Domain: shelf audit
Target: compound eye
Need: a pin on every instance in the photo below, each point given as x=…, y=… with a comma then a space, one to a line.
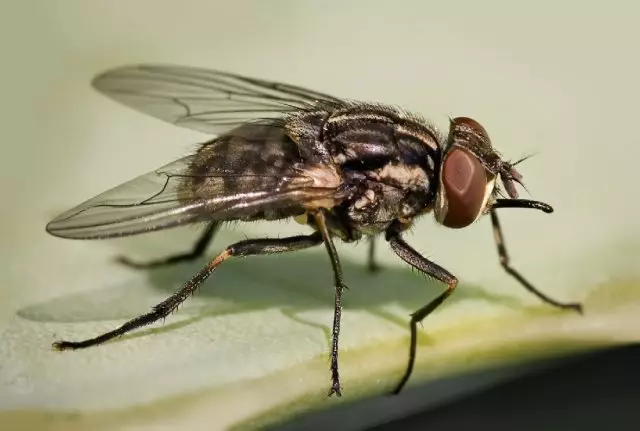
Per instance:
x=465, y=185
x=473, y=125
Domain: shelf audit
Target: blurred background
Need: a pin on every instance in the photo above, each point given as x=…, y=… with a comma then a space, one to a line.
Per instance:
x=555, y=79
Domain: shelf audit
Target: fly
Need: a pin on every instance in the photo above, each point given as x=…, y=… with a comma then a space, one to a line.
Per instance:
x=347, y=169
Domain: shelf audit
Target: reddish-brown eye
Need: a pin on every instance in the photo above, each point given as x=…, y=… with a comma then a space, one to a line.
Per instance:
x=472, y=124
x=465, y=183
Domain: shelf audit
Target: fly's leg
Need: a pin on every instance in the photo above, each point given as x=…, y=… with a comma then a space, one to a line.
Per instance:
x=372, y=265
x=337, y=311
x=162, y=310
x=504, y=261
x=198, y=250
x=424, y=265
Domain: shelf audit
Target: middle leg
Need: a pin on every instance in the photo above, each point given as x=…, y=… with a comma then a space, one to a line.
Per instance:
x=320, y=219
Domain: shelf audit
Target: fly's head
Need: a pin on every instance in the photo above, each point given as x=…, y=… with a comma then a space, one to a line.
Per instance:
x=468, y=174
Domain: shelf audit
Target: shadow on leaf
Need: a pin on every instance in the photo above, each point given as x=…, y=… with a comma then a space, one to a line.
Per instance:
x=292, y=282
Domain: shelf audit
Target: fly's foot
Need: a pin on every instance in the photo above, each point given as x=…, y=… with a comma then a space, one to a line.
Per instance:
x=575, y=306
x=335, y=389
x=63, y=345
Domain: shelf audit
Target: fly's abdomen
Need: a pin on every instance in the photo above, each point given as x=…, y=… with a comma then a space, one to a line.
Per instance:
x=250, y=174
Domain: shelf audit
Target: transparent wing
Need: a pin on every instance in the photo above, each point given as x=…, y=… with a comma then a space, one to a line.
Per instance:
x=205, y=100
x=173, y=195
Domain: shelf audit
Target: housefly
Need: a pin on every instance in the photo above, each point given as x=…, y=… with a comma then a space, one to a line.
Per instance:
x=347, y=169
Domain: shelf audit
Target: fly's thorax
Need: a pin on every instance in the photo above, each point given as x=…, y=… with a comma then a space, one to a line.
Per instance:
x=372, y=209
x=305, y=129
x=403, y=176
x=324, y=176
x=395, y=191
x=362, y=136
x=335, y=222
x=392, y=158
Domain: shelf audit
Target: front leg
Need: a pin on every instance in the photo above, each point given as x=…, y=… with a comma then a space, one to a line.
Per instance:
x=504, y=255
x=424, y=265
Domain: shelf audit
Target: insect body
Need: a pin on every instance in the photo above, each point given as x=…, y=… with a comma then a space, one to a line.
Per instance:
x=347, y=169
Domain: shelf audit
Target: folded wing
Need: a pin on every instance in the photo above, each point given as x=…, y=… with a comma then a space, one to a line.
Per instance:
x=205, y=100
x=169, y=197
